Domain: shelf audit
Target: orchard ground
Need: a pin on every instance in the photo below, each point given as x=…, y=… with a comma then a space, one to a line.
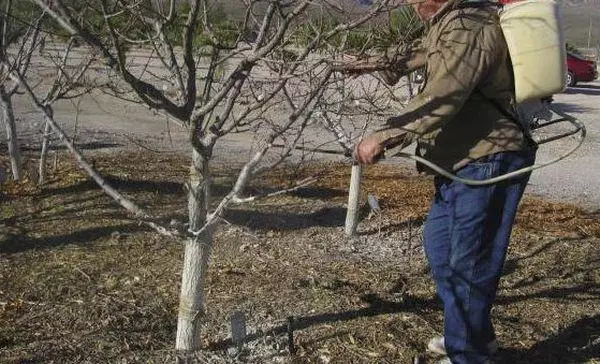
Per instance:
x=81, y=282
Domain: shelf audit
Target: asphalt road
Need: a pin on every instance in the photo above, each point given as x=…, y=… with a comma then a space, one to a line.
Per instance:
x=577, y=178
x=104, y=123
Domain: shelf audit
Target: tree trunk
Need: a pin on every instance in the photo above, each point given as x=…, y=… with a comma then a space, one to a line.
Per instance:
x=44, y=153
x=353, y=199
x=195, y=262
x=11, y=134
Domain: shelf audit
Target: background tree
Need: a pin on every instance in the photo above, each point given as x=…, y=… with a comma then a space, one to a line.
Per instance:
x=17, y=42
x=387, y=49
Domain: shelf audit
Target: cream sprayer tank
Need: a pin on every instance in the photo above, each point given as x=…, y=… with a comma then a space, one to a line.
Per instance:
x=536, y=43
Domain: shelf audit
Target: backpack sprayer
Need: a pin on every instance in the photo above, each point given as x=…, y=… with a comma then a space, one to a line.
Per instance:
x=533, y=31
x=536, y=43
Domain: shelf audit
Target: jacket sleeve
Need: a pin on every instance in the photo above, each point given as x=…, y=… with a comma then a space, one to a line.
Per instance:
x=456, y=64
x=402, y=60
x=392, y=65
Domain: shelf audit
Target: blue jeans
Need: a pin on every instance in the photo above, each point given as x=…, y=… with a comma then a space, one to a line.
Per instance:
x=466, y=239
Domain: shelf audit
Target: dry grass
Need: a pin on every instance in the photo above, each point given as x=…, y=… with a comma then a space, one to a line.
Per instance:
x=82, y=283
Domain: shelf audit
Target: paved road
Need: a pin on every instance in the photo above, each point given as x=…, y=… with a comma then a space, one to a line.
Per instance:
x=576, y=179
x=104, y=121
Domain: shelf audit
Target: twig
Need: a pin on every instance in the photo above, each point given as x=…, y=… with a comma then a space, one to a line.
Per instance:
x=301, y=184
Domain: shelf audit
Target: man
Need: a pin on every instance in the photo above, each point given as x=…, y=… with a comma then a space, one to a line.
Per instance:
x=462, y=121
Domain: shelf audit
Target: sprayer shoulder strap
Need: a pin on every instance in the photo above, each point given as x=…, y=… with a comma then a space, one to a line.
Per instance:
x=477, y=4
x=514, y=116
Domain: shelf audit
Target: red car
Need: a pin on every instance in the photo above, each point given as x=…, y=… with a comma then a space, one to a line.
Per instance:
x=580, y=70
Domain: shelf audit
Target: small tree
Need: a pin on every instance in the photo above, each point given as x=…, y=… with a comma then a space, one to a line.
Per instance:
x=214, y=82
x=17, y=43
x=390, y=50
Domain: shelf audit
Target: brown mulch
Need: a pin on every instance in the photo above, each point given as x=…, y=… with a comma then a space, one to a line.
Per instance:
x=80, y=282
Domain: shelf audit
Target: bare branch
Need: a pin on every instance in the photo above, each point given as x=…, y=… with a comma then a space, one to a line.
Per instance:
x=299, y=185
x=114, y=194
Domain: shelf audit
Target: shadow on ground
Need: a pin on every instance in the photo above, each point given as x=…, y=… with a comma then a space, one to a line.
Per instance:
x=161, y=187
x=578, y=343
x=53, y=147
x=219, y=190
x=376, y=307
x=571, y=108
x=21, y=242
x=80, y=146
x=583, y=90
x=324, y=217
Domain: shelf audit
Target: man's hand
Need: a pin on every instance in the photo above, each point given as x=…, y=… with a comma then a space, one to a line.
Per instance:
x=369, y=150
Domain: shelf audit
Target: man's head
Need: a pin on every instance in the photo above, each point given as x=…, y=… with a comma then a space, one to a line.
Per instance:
x=428, y=8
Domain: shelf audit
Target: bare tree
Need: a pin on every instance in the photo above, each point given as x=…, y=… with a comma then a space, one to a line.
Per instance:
x=14, y=56
x=396, y=54
x=207, y=73
x=67, y=84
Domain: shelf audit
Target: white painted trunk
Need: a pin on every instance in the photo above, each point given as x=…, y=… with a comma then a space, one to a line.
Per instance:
x=14, y=151
x=195, y=261
x=191, y=300
x=353, y=200
x=44, y=153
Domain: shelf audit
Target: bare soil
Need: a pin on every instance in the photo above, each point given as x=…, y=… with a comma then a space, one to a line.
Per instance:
x=81, y=282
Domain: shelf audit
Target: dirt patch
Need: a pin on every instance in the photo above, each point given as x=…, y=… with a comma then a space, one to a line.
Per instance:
x=80, y=282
